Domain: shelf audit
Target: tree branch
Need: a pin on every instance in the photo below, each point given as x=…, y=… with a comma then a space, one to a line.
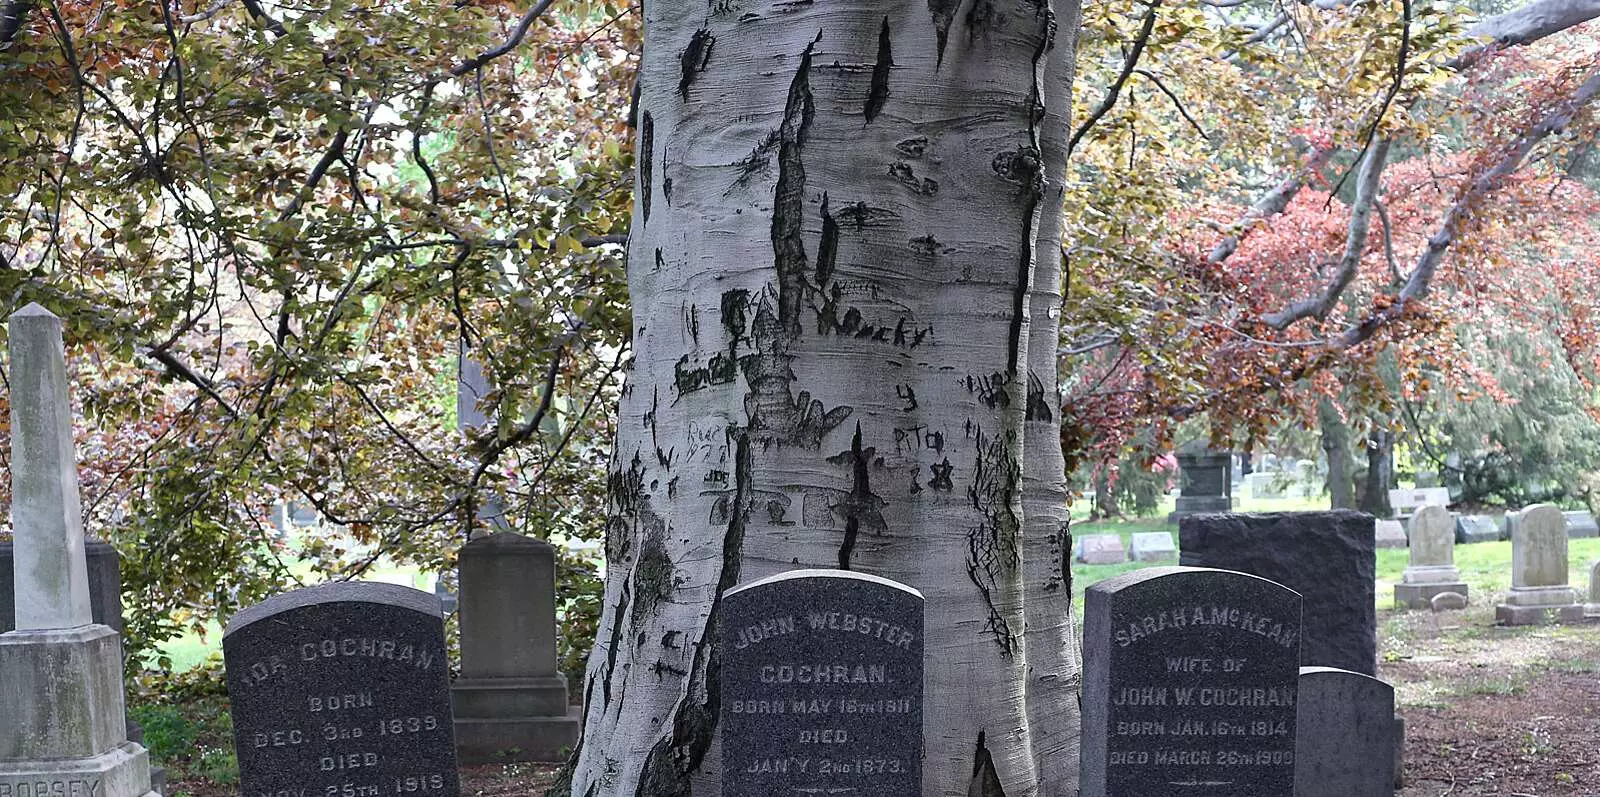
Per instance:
x=260, y=15
x=1271, y=204
x=1128, y=65
x=1367, y=184
x=510, y=44
x=1460, y=213
x=1527, y=24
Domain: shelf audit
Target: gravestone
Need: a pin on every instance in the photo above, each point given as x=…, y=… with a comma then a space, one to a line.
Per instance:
x=511, y=699
x=1203, y=481
x=1346, y=722
x=1325, y=556
x=1264, y=485
x=105, y=585
x=1152, y=546
x=1448, y=602
x=1580, y=525
x=1432, y=569
x=1101, y=549
x=1591, y=610
x=342, y=689
x=1389, y=534
x=1405, y=501
x=63, y=724
x=1539, y=591
x=1477, y=528
x=1189, y=679
x=822, y=686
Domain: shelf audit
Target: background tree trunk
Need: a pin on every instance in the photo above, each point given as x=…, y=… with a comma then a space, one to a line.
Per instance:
x=1380, y=470
x=845, y=276
x=1336, y=445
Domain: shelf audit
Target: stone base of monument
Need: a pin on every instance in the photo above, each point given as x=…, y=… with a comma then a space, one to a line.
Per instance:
x=1540, y=606
x=521, y=719
x=1198, y=505
x=1420, y=596
x=123, y=771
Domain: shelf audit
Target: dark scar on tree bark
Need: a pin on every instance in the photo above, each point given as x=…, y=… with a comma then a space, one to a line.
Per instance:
x=673, y=758
x=861, y=506
x=992, y=550
x=757, y=161
x=985, y=780
x=1038, y=407
x=788, y=207
x=828, y=247
x=647, y=146
x=979, y=18
x=944, y=13
x=694, y=59
x=902, y=171
x=878, y=94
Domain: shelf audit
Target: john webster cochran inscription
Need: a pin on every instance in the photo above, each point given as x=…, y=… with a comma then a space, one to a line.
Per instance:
x=822, y=686
x=1189, y=685
x=342, y=690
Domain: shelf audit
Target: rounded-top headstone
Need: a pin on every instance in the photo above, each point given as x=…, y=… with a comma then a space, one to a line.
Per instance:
x=342, y=689
x=821, y=686
x=1539, y=547
x=1432, y=536
x=1346, y=727
x=1190, y=676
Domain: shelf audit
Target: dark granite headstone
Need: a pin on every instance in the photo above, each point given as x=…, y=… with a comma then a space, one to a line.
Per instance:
x=1204, y=483
x=1327, y=557
x=1189, y=679
x=821, y=686
x=342, y=689
x=1581, y=524
x=1347, y=725
x=1477, y=528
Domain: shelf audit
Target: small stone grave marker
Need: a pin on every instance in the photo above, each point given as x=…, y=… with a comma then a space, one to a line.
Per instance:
x=1581, y=525
x=342, y=689
x=1591, y=610
x=1190, y=677
x=1102, y=549
x=1390, y=534
x=1153, y=546
x=1346, y=723
x=1432, y=570
x=822, y=686
x=1477, y=528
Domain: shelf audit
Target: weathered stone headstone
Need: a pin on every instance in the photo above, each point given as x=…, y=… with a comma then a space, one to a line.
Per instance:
x=511, y=699
x=1101, y=549
x=1477, y=528
x=1325, y=556
x=1591, y=610
x=1346, y=724
x=1408, y=500
x=1189, y=685
x=1539, y=590
x=1389, y=534
x=1432, y=569
x=1203, y=481
x=1264, y=485
x=63, y=725
x=342, y=689
x=1581, y=525
x=822, y=686
x=1152, y=546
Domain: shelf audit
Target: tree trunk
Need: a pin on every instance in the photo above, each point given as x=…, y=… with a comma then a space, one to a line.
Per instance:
x=1380, y=477
x=845, y=274
x=1336, y=445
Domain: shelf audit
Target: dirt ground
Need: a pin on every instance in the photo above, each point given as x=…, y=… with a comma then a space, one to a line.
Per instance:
x=1495, y=712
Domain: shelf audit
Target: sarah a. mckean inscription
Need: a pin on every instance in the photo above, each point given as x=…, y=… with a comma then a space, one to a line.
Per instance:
x=822, y=686
x=1189, y=685
x=342, y=690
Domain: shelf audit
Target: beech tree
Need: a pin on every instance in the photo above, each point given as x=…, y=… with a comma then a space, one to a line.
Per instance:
x=845, y=278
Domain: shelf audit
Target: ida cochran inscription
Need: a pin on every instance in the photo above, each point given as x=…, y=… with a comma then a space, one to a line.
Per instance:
x=822, y=686
x=1189, y=685
x=342, y=690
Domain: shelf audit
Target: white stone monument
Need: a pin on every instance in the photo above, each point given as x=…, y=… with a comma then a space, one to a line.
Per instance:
x=1591, y=610
x=1432, y=569
x=62, y=724
x=1539, y=590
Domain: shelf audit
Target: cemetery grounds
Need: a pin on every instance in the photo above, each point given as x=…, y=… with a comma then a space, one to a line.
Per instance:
x=1489, y=711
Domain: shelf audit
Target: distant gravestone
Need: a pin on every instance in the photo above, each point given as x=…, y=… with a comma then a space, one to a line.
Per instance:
x=1189, y=684
x=1591, y=610
x=1581, y=525
x=1264, y=485
x=1539, y=590
x=1389, y=534
x=1152, y=546
x=1325, y=556
x=1346, y=722
x=342, y=689
x=1448, y=602
x=1477, y=528
x=1432, y=569
x=821, y=685
x=1203, y=481
x=1101, y=549
x=511, y=699
x=1408, y=500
